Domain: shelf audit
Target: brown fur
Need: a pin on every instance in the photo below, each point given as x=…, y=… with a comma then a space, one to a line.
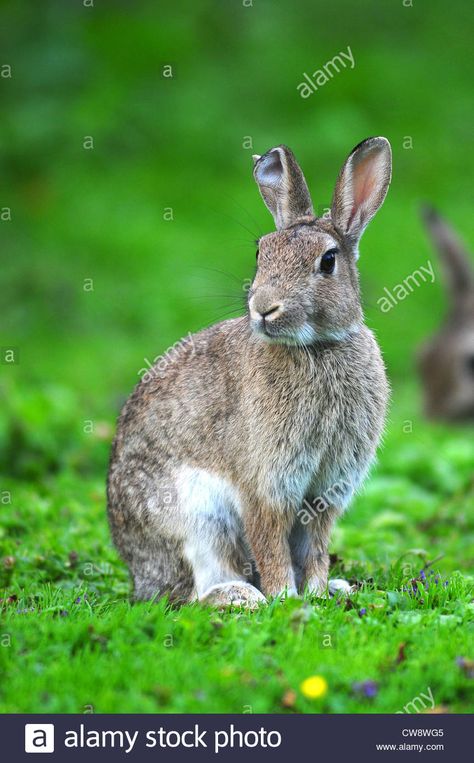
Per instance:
x=256, y=420
x=446, y=360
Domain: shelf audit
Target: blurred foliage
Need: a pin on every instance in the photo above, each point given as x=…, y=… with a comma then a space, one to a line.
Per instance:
x=178, y=142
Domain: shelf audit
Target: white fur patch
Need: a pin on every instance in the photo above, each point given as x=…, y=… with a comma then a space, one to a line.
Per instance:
x=211, y=509
x=200, y=489
x=337, y=334
x=305, y=334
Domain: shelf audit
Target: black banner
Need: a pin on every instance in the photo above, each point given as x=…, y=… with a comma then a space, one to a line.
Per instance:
x=234, y=737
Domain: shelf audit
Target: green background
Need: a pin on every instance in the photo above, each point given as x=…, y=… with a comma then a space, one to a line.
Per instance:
x=78, y=214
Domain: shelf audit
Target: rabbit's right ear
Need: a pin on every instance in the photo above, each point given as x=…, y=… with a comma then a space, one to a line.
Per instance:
x=456, y=262
x=361, y=187
x=283, y=186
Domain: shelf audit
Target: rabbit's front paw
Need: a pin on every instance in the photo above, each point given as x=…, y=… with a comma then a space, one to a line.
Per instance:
x=334, y=587
x=289, y=592
x=235, y=594
x=340, y=587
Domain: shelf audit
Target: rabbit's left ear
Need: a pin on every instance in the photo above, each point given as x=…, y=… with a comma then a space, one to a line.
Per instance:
x=282, y=185
x=361, y=187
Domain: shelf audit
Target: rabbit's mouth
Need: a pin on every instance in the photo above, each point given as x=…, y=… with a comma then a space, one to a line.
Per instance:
x=276, y=322
x=303, y=335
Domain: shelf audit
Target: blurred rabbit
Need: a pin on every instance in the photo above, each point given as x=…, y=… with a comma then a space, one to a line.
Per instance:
x=446, y=362
x=231, y=463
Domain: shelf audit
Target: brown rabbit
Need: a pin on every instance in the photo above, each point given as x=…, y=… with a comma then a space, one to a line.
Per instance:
x=446, y=362
x=231, y=462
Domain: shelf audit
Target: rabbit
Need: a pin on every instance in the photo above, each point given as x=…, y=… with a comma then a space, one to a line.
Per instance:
x=446, y=361
x=232, y=462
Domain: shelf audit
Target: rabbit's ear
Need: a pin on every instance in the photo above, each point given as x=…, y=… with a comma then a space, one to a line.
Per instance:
x=361, y=187
x=456, y=262
x=282, y=186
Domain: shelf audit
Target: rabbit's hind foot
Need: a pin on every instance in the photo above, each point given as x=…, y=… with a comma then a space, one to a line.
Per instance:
x=233, y=594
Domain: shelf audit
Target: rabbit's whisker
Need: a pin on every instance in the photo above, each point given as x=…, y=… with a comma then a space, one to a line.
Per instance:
x=222, y=272
x=234, y=297
x=249, y=214
x=220, y=213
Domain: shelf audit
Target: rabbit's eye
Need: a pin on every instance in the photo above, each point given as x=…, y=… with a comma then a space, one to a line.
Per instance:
x=328, y=261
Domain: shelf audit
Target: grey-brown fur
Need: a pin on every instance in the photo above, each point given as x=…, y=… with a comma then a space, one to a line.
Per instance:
x=218, y=461
x=446, y=360
x=282, y=185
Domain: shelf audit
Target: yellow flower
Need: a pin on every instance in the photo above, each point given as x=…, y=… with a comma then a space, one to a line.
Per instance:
x=314, y=687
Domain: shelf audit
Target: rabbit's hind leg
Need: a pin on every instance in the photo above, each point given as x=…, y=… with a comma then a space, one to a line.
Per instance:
x=158, y=569
x=309, y=551
x=215, y=545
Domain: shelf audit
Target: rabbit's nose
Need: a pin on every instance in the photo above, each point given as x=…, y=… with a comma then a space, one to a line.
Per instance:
x=272, y=312
x=262, y=309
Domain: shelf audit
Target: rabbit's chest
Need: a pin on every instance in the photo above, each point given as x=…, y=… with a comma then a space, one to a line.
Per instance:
x=335, y=450
x=321, y=442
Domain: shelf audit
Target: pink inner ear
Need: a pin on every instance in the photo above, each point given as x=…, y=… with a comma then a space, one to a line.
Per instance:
x=364, y=179
x=363, y=184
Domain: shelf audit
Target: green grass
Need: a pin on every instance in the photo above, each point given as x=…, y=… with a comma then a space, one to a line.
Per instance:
x=73, y=642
